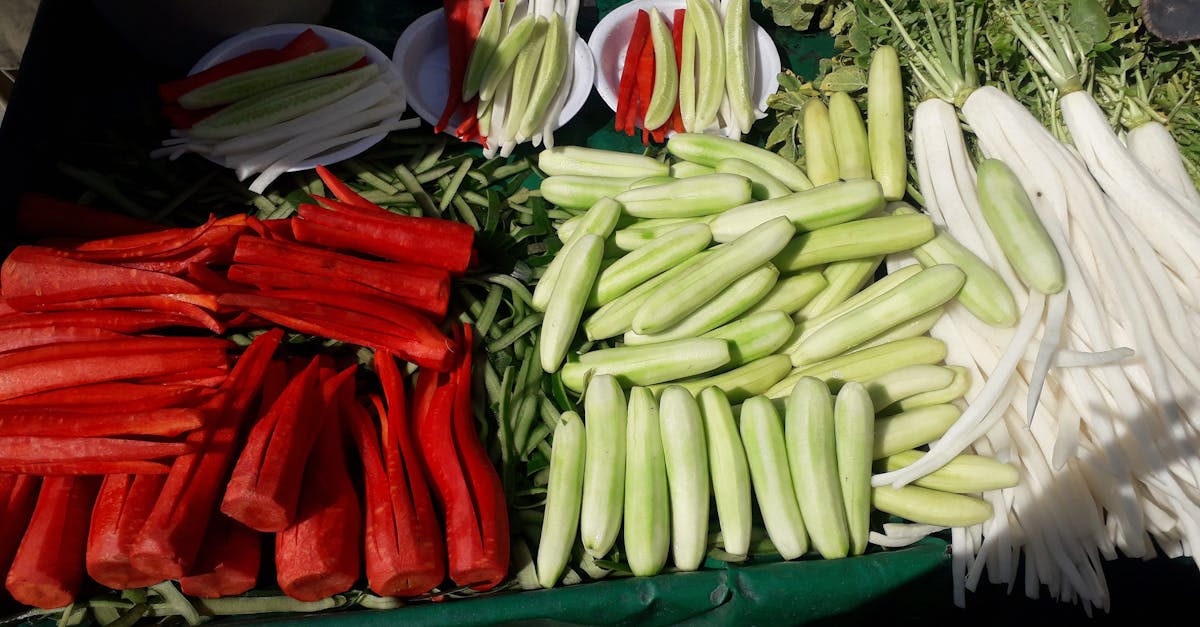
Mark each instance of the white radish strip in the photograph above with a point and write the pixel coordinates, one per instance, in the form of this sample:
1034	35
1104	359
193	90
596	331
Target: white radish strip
256	162
1056	312
958	564
307	151
1155	148
499	135
953	442
371	94
1067	358
1115	168
902	534
936	129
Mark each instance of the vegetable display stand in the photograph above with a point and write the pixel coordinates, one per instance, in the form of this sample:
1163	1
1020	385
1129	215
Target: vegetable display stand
80	81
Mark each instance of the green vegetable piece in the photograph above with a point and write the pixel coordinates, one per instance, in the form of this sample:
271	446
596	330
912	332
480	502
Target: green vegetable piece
931	507
687	198
912	428
964	474
849	137
708	150
686	455
515	40
649	261
820	156
1017	228
763	186
867	237
666	73
730	471
766	454
710	62
647	530
484	49
604	413
550	73
564	494
567	300
649	364
252	82
738	84
582	161
816	208
885	123
812	457
854	439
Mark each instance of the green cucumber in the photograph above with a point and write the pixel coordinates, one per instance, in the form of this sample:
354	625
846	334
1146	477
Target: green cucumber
259	80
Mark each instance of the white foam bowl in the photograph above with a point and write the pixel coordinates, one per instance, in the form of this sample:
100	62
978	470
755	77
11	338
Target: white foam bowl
610	40
277	36
422	58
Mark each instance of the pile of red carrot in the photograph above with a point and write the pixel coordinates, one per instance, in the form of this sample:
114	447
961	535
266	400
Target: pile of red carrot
138	444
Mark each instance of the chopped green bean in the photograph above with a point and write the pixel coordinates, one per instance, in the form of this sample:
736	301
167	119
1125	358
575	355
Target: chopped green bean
527	324
450	191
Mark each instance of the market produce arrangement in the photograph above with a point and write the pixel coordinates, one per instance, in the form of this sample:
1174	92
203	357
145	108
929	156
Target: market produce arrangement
946	289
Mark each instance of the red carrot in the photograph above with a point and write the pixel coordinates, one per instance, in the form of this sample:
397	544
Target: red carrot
172	304
307	42
45	276
108	421
132	397
272	278
264	489
229	562
633	53
68	371
122	505
341	190
119	320
320	553
173	533
41	216
418	284
422	240
209	377
71	468
463	21
123	347
48	569
403	331
403	543
18	495
47	450
16	339
645	87
468	488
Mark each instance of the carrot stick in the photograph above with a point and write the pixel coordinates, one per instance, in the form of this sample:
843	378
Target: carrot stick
34	272
341	190
108	421
18	495
119	320
16	339
74	468
403	546
31	378
48	569
626	89
162	304
229	561
272	278
132	397
264	489
424	240
320	553
122	505
172	536
411	282
47	450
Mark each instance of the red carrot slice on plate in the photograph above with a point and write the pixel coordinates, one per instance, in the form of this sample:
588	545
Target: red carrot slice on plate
341	190
633	53
229	561
172	536
121	508
48	569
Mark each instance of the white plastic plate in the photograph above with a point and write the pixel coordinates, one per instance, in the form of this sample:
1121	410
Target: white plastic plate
423	60
277	36
611	36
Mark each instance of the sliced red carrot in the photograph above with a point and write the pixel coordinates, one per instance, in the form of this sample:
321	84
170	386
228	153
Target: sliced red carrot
421	240
68	371
626	90
320	553
229	561
172	536
403	545
264	489
120	320
121	508
16	339
412	282
48	569
132	397
341	190
18	495
108	421
39	273
163	304
23	449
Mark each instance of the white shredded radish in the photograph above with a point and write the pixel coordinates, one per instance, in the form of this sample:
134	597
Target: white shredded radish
275	170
